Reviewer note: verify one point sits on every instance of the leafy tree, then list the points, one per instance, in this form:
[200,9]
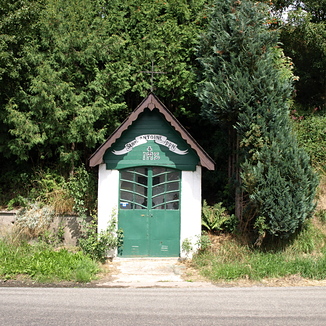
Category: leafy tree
[246,84]
[315,7]
[304,39]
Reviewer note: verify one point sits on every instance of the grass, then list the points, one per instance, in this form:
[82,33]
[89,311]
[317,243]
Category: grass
[43,263]
[229,260]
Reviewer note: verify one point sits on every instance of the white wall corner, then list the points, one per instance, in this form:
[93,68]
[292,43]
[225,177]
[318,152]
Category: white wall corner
[108,196]
[190,228]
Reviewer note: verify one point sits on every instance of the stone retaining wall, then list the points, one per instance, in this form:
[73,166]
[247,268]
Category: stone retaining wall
[70,226]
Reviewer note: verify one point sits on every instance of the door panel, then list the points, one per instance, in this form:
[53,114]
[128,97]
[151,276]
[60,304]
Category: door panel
[135,230]
[149,212]
[165,234]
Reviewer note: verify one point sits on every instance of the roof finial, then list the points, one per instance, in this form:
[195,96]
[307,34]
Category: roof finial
[152,72]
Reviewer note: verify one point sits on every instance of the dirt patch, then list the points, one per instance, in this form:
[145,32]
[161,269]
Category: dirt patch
[288,281]
[192,274]
[24,281]
[321,194]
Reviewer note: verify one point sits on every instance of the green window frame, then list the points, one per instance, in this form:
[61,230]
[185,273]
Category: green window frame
[150,188]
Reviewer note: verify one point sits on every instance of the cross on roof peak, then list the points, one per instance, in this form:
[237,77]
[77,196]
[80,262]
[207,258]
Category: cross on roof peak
[152,72]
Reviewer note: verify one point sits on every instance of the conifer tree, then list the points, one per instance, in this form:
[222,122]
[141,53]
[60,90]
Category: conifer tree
[72,71]
[246,84]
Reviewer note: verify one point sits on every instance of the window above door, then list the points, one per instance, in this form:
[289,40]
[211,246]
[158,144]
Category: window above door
[150,188]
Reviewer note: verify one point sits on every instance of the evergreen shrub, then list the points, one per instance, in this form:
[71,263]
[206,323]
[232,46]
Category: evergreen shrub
[247,85]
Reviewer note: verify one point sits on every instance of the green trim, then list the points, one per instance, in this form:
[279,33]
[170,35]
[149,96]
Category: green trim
[151,140]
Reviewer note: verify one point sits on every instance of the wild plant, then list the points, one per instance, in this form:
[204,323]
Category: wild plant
[98,244]
[215,218]
[33,220]
[186,247]
[203,242]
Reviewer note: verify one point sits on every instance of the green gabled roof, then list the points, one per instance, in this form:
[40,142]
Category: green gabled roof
[151,102]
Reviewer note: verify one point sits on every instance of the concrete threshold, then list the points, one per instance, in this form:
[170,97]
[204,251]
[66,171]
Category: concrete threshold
[149,272]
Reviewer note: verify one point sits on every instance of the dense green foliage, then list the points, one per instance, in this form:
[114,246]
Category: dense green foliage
[76,193]
[311,132]
[246,86]
[65,95]
[304,39]
[70,70]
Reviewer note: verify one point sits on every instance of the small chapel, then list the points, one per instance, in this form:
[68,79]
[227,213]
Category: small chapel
[150,181]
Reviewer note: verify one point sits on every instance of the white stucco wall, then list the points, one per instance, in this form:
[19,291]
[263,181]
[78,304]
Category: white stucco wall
[108,195]
[190,220]
[190,208]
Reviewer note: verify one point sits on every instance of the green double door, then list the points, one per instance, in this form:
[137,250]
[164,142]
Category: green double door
[149,212]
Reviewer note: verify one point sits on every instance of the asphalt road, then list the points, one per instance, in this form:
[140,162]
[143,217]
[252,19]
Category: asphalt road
[163,306]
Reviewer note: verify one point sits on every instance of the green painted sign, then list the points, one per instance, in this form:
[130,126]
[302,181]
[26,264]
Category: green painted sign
[151,141]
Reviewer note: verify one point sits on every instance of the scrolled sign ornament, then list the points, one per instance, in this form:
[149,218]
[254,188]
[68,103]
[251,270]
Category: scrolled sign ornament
[143,139]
